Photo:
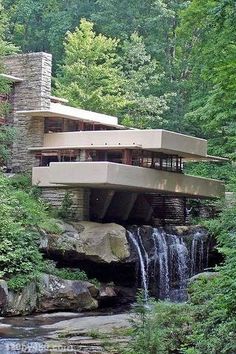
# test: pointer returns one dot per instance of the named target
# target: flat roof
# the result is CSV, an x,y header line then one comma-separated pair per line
x,y
207,158
58,110
91,147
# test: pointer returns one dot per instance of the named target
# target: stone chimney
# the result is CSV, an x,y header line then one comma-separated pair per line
x,y
33,93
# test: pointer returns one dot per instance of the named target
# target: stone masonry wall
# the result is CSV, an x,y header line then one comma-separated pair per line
x,y
80,197
33,93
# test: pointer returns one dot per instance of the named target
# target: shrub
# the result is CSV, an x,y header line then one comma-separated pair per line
x,y
213,301
160,328
65,211
21,218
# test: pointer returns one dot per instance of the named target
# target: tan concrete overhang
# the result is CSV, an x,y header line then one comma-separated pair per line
x,y
207,159
56,99
11,78
157,140
124,177
58,110
99,147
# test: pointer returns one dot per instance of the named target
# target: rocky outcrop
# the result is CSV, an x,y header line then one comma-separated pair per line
x,y
49,294
3,293
58,294
24,302
100,243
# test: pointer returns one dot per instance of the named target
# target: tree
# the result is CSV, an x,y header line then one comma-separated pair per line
x,y
42,25
90,76
156,21
115,18
6,133
143,75
208,30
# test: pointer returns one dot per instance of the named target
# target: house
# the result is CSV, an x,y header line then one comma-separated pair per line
x,y
112,173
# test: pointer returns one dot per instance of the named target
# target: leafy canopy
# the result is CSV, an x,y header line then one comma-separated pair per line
x,y
90,76
208,29
143,75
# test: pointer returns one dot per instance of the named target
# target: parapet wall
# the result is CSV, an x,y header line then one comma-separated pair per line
x,y
33,93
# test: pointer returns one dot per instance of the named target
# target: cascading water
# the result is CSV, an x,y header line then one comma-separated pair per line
x,y
199,253
179,268
142,264
160,259
167,260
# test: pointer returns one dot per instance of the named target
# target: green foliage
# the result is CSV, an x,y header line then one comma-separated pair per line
x,y
208,34
213,301
18,282
160,327
90,77
67,273
65,210
7,135
221,171
104,75
5,46
143,75
41,25
21,218
49,267
21,181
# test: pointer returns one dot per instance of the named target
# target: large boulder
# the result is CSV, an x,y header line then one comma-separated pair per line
x,y
17,303
23,302
3,295
49,294
101,243
57,294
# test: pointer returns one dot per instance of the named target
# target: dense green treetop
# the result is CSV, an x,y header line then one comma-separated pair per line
x,y
109,76
42,25
90,76
143,76
6,133
208,31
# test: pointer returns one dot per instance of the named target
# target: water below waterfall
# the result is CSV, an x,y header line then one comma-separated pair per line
x,y
167,260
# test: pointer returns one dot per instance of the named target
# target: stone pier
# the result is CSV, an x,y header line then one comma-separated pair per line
x,y
33,93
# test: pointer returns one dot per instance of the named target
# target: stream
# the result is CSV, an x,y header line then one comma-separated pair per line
x,y
58,332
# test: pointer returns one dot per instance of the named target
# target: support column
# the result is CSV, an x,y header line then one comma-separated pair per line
x,y
100,201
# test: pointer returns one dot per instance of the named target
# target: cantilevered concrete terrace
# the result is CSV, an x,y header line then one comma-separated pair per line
x,y
155,140
58,110
123,177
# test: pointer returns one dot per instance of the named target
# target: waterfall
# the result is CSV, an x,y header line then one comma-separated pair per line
x,y
161,258
199,253
145,255
167,260
179,258
142,264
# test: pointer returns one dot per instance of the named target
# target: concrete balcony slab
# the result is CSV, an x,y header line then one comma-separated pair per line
x,y
124,177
